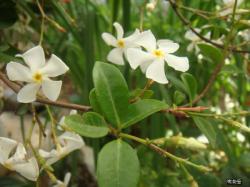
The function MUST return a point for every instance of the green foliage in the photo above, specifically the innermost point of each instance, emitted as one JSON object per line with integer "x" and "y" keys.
{"x": 118, "y": 165}
{"x": 140, "y": 110}
{"x": 190, "y": 85}
{"x": 90, "y": 125}
{"x": 111, "y": 91}
{"x": 211, "y": 52}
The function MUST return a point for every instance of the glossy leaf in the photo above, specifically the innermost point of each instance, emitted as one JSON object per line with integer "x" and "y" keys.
{"x": 140, "y": 110}
{"x": 207, "y": 129}
{"x": 190, "y": 85}
{"x": 93, "y": 101}
{"x": 179, "y": 97}
{"x": 211, "y": 52}
{"x": 147, "y": 94}
{"x": 90, "y": 125}
{"x": 111, "y": 91}
{"x": 118, "y": 165}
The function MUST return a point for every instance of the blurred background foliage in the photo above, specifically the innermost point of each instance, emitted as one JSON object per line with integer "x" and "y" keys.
{"x": 76, "y": 38}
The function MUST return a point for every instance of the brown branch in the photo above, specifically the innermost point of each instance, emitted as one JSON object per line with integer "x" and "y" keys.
{"x": 210, "y": 82}
{"x": 62, "y": 104}
{"x": 188, "y": 24}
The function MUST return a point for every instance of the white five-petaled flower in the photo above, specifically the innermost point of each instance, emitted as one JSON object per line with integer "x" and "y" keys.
{"x": 37, "y": 75}
{"x": 18, "y": 161}
{"x": 152, "y": 62}
{"x": 120, "y": 44}
{"x": 69, "y": 142}
{"x": 65, "y": 182}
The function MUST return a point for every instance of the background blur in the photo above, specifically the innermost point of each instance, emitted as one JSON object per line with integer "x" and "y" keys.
{"x": 77, "y": 40}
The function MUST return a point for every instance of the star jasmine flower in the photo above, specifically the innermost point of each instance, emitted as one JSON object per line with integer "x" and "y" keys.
{"x": 157, "y": 53}
{"x": 120, "y": 44}
{"x": 37, "y": 74}
{"x": 18, "y": 162}
{"x": 69, "y": 142}
{"x": 65, "y": 183}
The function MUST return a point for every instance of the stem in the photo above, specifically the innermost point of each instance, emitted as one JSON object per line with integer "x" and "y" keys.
{"x": 226, "y": 49}
{"x": 147, "y": 86}
{"x": 188, "y": 24}
{"x": 163, "y": 152}
{"x": 44, "y": 16}
{"x": 15, "y": 87}
{"x": 42, "y": 31}
{"x": 53, "y": 128}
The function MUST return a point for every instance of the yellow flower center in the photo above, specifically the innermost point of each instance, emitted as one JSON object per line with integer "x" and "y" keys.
{"x": 37, "y": 77}
{"x": 120, "y": 43}
{"x": 158, "y": 53}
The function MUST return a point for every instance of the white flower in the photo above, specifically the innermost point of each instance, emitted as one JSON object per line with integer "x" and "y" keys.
{"x": 190, "y": 35}
{"x": 18, "y": 162}
{"x": 69, "y": 142}
{"x": 152, "y": 61}
{"x": 37, "y": 75}
{"x": 120, "y": 44}
{"x": 65, "y": 183}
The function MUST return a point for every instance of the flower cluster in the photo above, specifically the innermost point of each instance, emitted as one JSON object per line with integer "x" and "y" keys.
{"x": 14, "y": 157}
{"x": 68, "y": 142}
{"x": 141, "y": 49}
{"x": 37, "y": 74}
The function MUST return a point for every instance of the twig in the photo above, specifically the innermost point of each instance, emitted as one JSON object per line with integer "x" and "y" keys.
{"x": 188, "y": 24}
{"x": 163, "y": 152}
{"x": 16, "y": 89}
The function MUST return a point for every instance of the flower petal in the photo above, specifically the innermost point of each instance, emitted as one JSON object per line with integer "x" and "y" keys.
{"x": 156, "y": 72}
{"x": 19, "y": 156}
{"x": 168, "y": 46}
{"x": 51, "y": 89}
{"x": 74, "y": 141}
{"x": 144, "y": 66}
{"x": 119, "y": 30}
{"x": 29, "y": 169}
{"x": 34, "y": 58}
{"x": 135, "y": 35}
{"x": 67, "y": 178}
{"x": 190, "y": 35}
{"x": 6, "y": 146}
{"x": 190, "y": 47}
{"x": 18, "y": 72}
{"x": 28, "y": 93}
{"x": 147, "y": 40}
{"x": 109, "y": 39}
{"x": 116, "y": 56}
{"x": 54, "y": 67}
{"x": 137, "y": 57}
{"x": 178, "y": 63}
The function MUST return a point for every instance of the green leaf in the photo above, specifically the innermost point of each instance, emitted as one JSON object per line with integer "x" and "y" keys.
{"x": 91, "y": 125}
{"x": 93, "y": 101}
{"x": 190, "y": 85}
{"x": 118, "y": 165}
{"x": 111, "y": 92}
{"x": 211, "y": 52}
{"x": 140, "y": 110}
{"x": 146, "y": 95}
{"x": 207, "y": 129}
{"x": 179, "y": 97}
